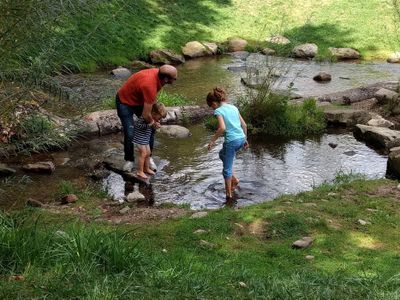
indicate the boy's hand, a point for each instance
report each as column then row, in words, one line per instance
column 210, row 145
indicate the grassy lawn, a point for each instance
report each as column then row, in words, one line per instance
column 243, row 253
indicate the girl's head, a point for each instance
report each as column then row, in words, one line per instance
column 158, row 111
column 215, row 97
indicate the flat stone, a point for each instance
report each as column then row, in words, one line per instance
column 200, row 231
column 199, row 214
column 363, row 222
column 125, row 210
column 303, row 243
column 350, row 153
column 166, row 56
column 175, row 131
column 6, row 171
column 135, row 196
column 309, row 257
column 141, row 65
column 40, row 167
column 34, row 203
column 379, row 136
column 385, row 95
column 206, row 244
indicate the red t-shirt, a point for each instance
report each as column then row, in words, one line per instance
column 141, row 87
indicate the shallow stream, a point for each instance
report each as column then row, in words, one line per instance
column 189, row 174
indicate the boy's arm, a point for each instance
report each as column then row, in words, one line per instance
column 220, row 131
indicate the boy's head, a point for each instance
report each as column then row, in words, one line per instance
column 158, row 111
column 217, row 96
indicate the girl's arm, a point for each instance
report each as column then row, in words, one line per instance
column 220, row 131
column 244, row 127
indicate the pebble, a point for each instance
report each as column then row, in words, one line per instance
column 200, row 231
column 199, row 214
column 363, row 222
column 125, row 210
column 302, row 243
column 309, row 257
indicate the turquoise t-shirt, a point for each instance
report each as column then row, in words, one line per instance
column 233, row 128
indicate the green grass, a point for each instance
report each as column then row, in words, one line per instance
column 37, row 133
column 172, row 99
column 89, row 35
column 250, row 256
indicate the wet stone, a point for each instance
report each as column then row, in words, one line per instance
column 6, row 171
column 34, row 203
column 45, row 167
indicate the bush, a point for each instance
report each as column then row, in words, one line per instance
column 37, row 133
column 271, row 114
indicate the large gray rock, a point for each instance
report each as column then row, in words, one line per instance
column 237, row 44
column 212, row 47
column 344, row 53
column 305, row 51
column 45, row 167
column 385, row 95
column 394, row 58
column 121, row 72
column 322, row 77
column 348, row 117
column 5, row 170
column 140, row 65
column 196, row 49
column 379, row 121
column 166, row 56
column 175, row 131
column 379, row 136
column 101, row 122
column 278, row 40
column 393, row 163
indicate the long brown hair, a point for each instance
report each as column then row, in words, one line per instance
column 217, row 95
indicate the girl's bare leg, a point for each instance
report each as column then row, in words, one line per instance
column 141, row 161
column 228, row 187
column 235, row 181
column 147, row 162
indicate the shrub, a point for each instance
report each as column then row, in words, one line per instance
column 271, row 114
column 37, row 133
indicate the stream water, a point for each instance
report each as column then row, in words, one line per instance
column 188, row 173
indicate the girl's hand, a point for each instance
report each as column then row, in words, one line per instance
column 210, row 145
column 246, row 145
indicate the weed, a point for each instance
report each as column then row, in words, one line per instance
column 169, row 99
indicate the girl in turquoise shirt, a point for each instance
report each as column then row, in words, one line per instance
column 234, row 129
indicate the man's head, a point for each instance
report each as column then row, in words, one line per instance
column 167, row 74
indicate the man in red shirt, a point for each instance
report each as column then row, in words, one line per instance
column 137, row 96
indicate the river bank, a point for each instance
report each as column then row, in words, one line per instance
column 353, row 225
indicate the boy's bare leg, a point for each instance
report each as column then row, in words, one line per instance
column 147, row 162
column 141, row 161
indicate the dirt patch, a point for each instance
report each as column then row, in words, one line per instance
column 386, row 191
column 112, row 213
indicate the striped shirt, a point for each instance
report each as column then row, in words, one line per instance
column 141, row 132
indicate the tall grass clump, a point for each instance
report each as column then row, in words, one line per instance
column 172, row 99
column 273, row 114
column 37, row 133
